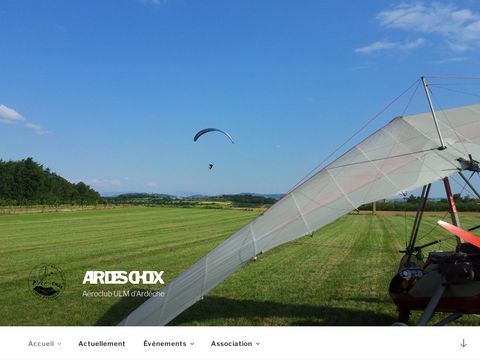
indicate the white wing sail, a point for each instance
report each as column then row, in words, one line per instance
column 399, row 157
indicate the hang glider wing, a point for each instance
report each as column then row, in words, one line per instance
column 401, row 156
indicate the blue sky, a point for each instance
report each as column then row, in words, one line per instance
column 112, row 92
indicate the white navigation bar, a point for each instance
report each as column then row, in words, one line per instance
column 239, row 343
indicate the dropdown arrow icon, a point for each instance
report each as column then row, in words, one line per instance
column 59, row 343
column 257, row 343
column 192, row 343
column 463, row 344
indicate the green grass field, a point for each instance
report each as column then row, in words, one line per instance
column 339, row 276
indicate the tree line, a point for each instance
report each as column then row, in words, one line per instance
column 25, row 182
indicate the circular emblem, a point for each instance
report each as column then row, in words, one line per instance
column 46, row 281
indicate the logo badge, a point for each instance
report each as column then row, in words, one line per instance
column 46, row 281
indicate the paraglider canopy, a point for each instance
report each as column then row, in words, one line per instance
column 207, row 130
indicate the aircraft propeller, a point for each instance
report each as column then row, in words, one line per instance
column 462, row 234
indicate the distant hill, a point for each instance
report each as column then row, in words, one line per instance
column 217, row 201
column 200, row 196
column 273, row 196
column 139, row 195
column 25, row 182
column 196, row 196
column 245, row 200
column 145, row 195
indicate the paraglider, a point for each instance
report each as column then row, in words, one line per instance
column 207, row 130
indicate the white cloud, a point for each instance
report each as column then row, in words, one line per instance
column 154, row 2
column 111, row 182
column 454, row 59
column 458, row 28
column 388, row 45
column 376, row 46
column 37, row 129
column 9, row 115
column 413, row 44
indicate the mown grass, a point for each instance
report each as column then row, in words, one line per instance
column 339, row 276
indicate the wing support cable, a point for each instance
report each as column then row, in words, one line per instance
column 467, row 181
column 318, row 168
column 385, row 158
